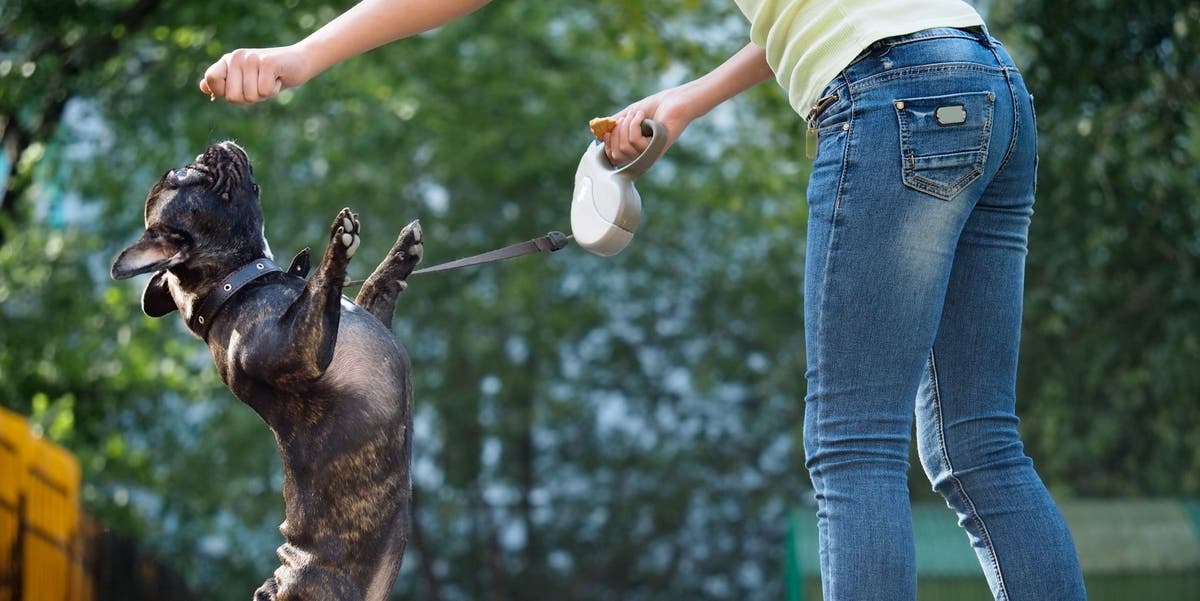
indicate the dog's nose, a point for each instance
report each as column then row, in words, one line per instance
column 185, row 176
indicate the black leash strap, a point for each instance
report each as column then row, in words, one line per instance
column 549, row 243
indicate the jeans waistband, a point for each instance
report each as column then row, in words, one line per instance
column 978, row 33
column 987, row 49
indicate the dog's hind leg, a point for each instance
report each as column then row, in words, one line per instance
column 378, row 294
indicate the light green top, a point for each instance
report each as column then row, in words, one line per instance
column 809, row 42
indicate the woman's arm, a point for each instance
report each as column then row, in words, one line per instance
column 679, row 106
column 250, row 75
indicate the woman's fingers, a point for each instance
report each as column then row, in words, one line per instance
column 269, row 83
column 213, row 83
column 626, row 141
column 233, row 77
column 245, row 76
column 251, row 65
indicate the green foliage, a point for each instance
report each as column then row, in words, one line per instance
column 586, row 428
column 559, row 435
column 1110, row 390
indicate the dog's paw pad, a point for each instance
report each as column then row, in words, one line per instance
column 345, row 231
column 346, row 221
column 403, row 285
column 410, row 241
column 414, row 230
column 347, row 281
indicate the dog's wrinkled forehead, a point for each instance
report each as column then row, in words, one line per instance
column 222, row 171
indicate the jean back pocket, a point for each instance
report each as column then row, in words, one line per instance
column 944, row 141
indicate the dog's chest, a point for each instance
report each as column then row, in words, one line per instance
column 366, row 367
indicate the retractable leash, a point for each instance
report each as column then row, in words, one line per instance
column 605, row 207
column 551, row 242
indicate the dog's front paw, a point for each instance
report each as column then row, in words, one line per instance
column 408, row 243
column 345, row 231
column 378, row 294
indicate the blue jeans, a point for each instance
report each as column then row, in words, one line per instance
column 920, row 200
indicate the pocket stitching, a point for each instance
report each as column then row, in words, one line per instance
column 944, row 191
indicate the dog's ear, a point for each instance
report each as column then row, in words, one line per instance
column 157, row 300
column 149, row 253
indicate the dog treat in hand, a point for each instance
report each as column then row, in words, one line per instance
column 601, row 126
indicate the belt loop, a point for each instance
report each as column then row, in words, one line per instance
column 985, row 37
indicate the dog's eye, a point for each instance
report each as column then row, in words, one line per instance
column 172, row 234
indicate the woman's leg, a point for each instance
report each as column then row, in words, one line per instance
column 921, row 128
column 878, row 262
column 966, row 411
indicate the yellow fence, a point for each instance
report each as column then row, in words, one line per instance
column 41, row 541
column 50, row 550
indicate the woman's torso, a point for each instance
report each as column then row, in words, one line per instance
column 809, row 42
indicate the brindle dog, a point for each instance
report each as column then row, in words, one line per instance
column 325, row 374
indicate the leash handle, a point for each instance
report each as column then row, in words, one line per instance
column 657, row 132
column 551, row 242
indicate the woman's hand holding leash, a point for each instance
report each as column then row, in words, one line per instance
column 679, row 106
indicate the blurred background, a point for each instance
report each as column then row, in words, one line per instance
column 586, row 428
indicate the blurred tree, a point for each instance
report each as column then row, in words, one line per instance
column 580, row 432
column 1110, row 390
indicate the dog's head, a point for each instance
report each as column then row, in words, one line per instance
column 203, row 220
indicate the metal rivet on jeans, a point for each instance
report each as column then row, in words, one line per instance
column 900, row 105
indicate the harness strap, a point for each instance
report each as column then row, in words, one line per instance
column 208, row 308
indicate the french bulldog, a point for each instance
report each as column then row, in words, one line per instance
column 324, row 373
